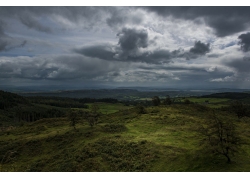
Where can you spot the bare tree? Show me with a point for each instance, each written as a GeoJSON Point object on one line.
{"type": "Point", "coordinates": [221, 137]}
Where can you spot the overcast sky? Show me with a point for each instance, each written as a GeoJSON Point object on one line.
{"type": "Point", "coordinates": [172, 47]}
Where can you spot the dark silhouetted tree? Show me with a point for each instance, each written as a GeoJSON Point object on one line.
{"type": "Point", "coordinates": [73, 118]}
{"type": "Point", "coordinates": [187, 101]}
{"type": "Point", "coordinates": [239, 108]}
{"type": "Point", "coordinates": [93, 115]}
{"type": "Point", "coordinates": [168, 100]}
{"type": "Point", "coordinates": [156, 101]}
{"type": "Point", "coordinates": [221, 137]}
{"type": "Point", "coordinates": [140, 109]}
{"type": "Point", "coordinates": [94, 108]}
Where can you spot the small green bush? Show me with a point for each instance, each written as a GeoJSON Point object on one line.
{"type": "Point", "coordinates": [114, 128]}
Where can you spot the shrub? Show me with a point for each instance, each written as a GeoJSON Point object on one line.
{"type": "Point", "coordinates": [114, 128]}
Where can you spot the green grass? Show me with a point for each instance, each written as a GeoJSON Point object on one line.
{"type": "Point", "coordinates": [109, 108]}
{"type": "Point", "coordinates": [163, 139]}
{"type": "Point", "coordinates": [209, 102]}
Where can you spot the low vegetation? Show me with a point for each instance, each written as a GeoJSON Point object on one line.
{"type": "Point", "coordinates": [168, 135]}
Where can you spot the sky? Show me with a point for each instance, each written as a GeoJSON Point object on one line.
{"type": "Point", "coordinates": [78, 47]}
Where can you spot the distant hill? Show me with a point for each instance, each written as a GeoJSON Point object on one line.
{"type": "Point", "coordinates": [15, 108]}
{"type": "Point", "coordinates": [9, 100]}
{"type": "Point", "coordinates": [120, 94]}
{"type": "Point", "coordinates": [229, 95]}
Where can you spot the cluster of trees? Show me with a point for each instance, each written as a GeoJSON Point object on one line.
{"type": "Point", "coordinates": [32, 114]}
{"type": "Point", "coordinates": [93, 100]}
{"type": "Point", "coordinates": [58, 102]}
{"type": "Point", "coordinates": [10, 100]}
{"type": "Point", "coordinates": [237, 107]}
{"type": "Point", "coordinates": [156, 101]}
{"type": "Point", "coordinates": [92, 116]}
{"type": "Point", "coordinates": [69, 102]}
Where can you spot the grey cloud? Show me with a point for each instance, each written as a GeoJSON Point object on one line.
{"type": "Point", "coordinates": [246, 58]}
{"type": "Point", "coordinates": [158, 56]}
{"type": "Point", "coordinates": [224, 20]}
{"type": "Point", "coordinates": [99, 51]}
{"type": "Point", "coordinates": [3, 41]}
{"type": "Point", "coordinates": [115, 74]}
{"type": "Point", "coordinates": [3, 45]}
{"type": "Point", "coordinates": [239, 64]}
{"type": "Point", "coordinates": [57, 68]}
{"type": "Point", "coordinates": [132, 39]}
{"type": "Point", "coordinates": [200, 48]}
{"type": "Point", "coordinates": [215, 55]}
{"type": "Point", "coordinates": [228, 25]}
{"type": "Point", "coordinates": [30, 15]}
{"type": "Point", "coordinates": [123, 15]}
{"type": "Point", "coordinates": [23, 43]}
{"type": "Point", "coordinates": [245, 42]}
{"type": "Point", "coordinates": [105, 52]}
{"type": "Point", "coordinates": [7, 43]}
{"type": "Point", "coordinates": [32, 23]}
{"type": "Point", "coordinates": [128, 50]}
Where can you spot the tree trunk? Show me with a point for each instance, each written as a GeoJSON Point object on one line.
{"type": "Point", "coordinates": [228, 159]}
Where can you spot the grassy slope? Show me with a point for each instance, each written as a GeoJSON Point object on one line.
{"type": "Point", "coordinates": [163, 139]}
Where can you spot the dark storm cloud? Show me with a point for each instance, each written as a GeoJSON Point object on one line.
{"type": "Point", "coordinates": [239, 64]}
{"type": "Point", "coordinates": [3, 40]}
{"type": "Point", "coordinates": [200, 48]}
{"type": "Point", "coordinates": [157, 56]}
{"type": "Point", "coordinates": [99, 51]}
{"type": "Point", "coordinates": [3, 45]}
{"type": "Point", "coordinates": [7, 43]}
{"type": "Point", "coordinates": [224, 20]}
{"type": "Point", "coordinates": [130, 40]}
{"type": "Point", "coordinates": [244, 42]}
{"type": "Point", "coordinates": [128, 50]}
{"type": "Point", "coordinates": [105, 53]}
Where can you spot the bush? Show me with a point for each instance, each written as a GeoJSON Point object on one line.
{"type": "Point", "coordinates": [114, 128]}
{"type": "Point", "coordinates": [187, 101]}
{"type": "Point", "coordinates": [140, 109]}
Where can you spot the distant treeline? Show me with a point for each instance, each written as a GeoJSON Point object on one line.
{"type": "Point", "coordinates": [93, 100]}
{"type": "Point", "coordinates": [69, 102]}
{"type": "Point", "coordinates": [58, 102]}
{"type": "Point", "coordinates": [31, 114]}
{"type": "Point", "coordinates": [229, 95]}
{"type": "Point", "coordinates": [10, 100]}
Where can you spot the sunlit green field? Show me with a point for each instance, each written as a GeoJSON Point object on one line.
{"type": "Point", "coordinates": [209, 102]}
{"type": "Point", "coordinates": [108, 108]}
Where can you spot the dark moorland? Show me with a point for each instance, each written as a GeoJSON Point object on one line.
{"type": "Point", "coordinates": [137, 131]}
